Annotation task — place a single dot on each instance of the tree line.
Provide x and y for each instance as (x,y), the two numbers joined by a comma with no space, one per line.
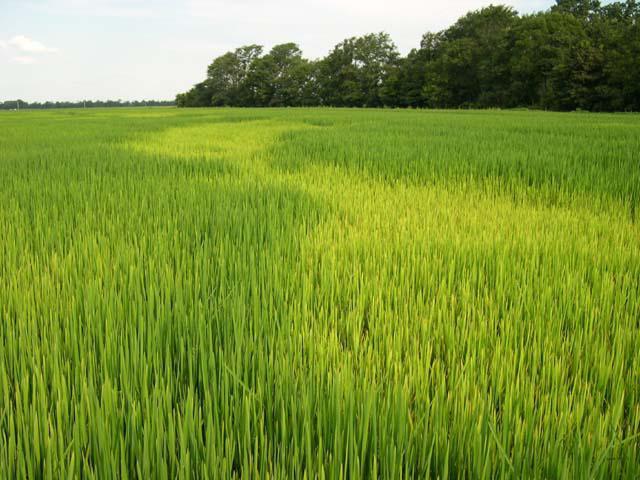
(19,104)
(579,54)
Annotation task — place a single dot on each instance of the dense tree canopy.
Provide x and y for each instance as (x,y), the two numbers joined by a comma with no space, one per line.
(579,54)
(355,73)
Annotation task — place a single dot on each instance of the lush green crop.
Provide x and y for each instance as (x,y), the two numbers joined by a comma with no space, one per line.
(319,293)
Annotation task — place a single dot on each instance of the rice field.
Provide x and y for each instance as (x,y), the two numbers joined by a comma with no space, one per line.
(319,294)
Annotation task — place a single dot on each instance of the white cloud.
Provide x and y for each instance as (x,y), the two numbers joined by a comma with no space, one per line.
(24,60)
(26,44)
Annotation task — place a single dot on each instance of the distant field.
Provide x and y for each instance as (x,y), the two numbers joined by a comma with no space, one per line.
(329,293)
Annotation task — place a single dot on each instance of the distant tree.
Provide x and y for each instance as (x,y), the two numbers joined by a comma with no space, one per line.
(410,85)
(576,63)
(12,104)
(354,72)
(338,77)
(227,75)
(471,63)
(579,54)
(541,60)
(616,31)
(377,59)
(281,78)
(199,96)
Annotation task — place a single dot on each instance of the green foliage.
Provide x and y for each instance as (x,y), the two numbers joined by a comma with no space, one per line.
(472,62)
(319,293)
(282,78)
(356,71)
(13,104)
(577,55)
(227,77)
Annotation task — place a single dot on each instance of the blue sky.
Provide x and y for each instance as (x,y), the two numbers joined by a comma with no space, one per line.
(142,49)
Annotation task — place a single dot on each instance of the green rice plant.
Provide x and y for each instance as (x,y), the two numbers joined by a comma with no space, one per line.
(319,293)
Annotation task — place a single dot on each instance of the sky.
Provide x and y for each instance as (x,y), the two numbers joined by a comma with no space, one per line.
(152,49)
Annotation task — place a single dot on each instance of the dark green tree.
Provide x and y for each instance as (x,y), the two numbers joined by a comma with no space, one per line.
(282,78)
(227,76)
(198,96)
(581,9)
(354,72)
(579,54)
(412,72)
(470,65)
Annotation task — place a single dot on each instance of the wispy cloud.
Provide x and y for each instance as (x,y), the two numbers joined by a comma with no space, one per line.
(26,44)
(23,50)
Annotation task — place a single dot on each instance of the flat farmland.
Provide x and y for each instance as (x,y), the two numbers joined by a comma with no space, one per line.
(319,293)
